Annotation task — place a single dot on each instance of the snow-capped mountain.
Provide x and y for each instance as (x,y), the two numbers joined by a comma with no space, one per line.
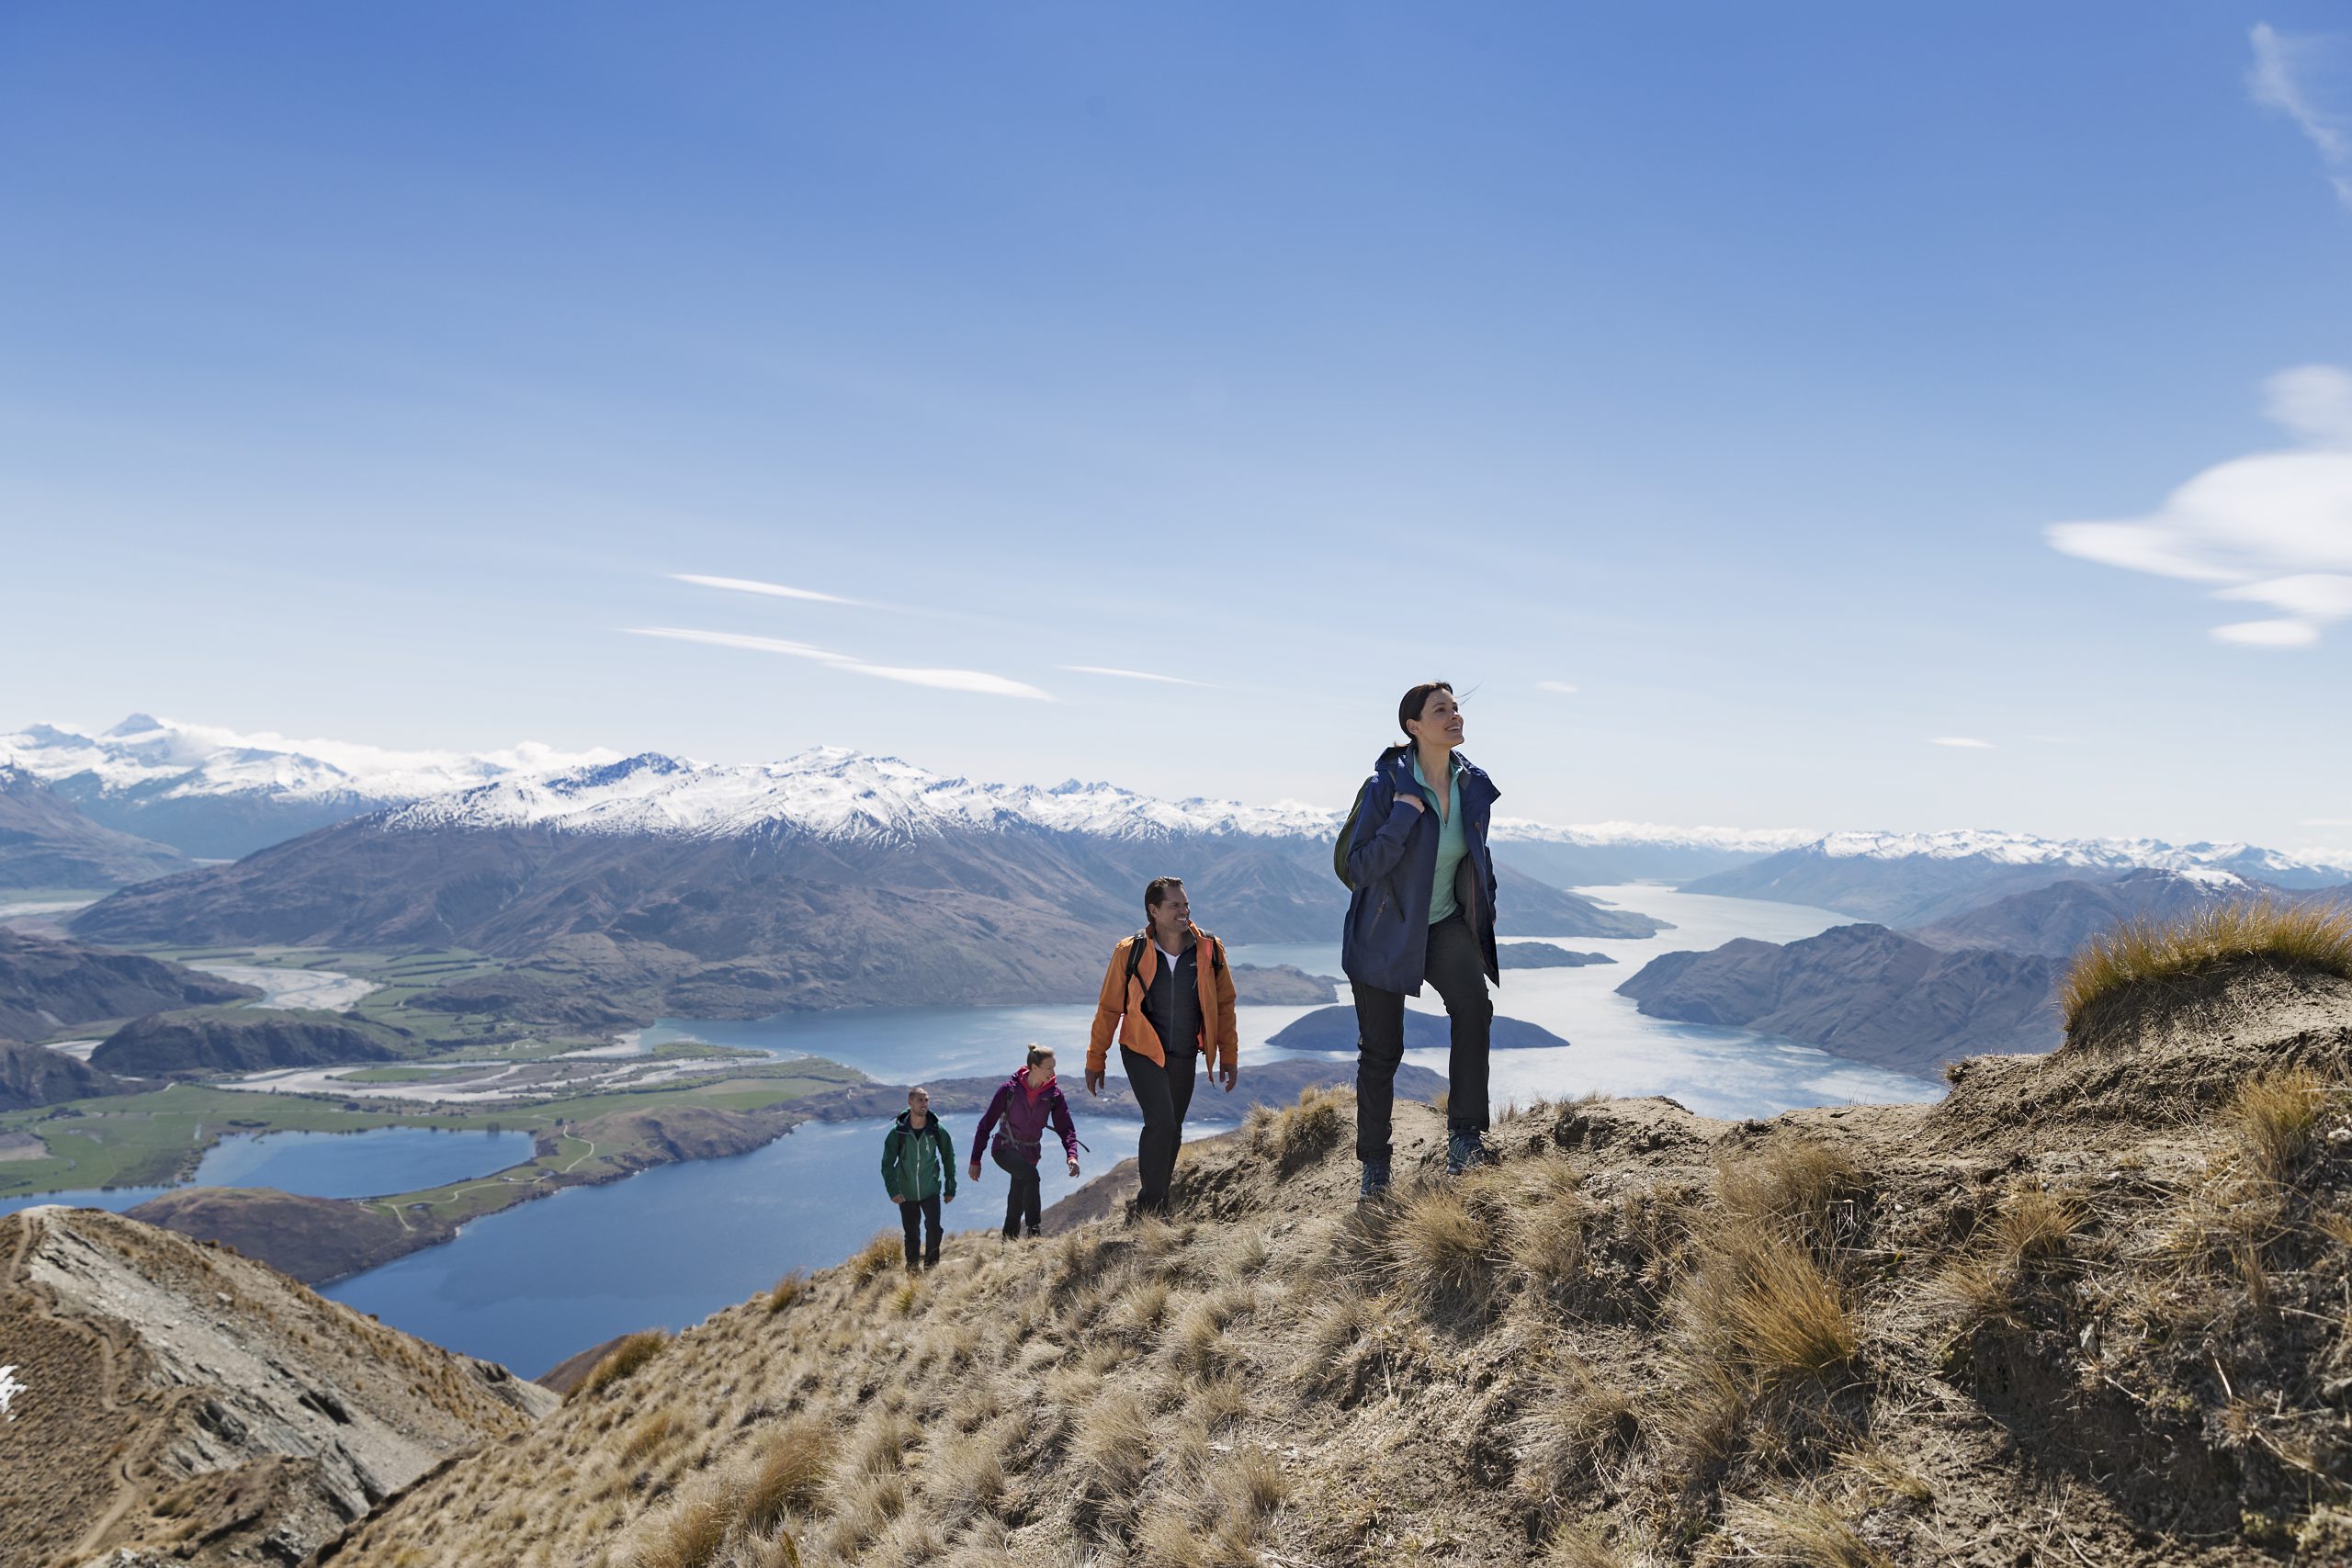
(218,793)
(832,793)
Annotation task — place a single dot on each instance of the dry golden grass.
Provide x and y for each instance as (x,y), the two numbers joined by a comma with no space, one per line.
(1114,1443)
(1305,1132)
(2274,1120)
(1805,1189)
(689,1532)
(1581,1545)
(2033,1228)
(1804,1530)
(885,1252)
(1574,1421)
(787,1475)
(1759,1301)
(788,1289)
(648,1437)
(623,1359)
(2301,936)
(1438,1250)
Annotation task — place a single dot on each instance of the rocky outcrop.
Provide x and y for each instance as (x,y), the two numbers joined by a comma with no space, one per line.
(46,842)
(1545,955)
(1281,984)
(172,1044)
(48,986)
(183,1402)
(1334,1029)
(1862,992)
(35,1075)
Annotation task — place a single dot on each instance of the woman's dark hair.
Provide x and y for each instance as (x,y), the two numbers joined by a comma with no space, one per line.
(1155,892)
(1410,707)
(1038,1053)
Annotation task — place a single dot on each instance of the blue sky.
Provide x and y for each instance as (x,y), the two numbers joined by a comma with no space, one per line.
(380,371)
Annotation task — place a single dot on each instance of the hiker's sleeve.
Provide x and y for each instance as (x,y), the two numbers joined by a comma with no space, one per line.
(889,1165)
(1372,855)
(1228,1040)
(1107,1009)
(947,1159)
(989,1118)
(1063,1125)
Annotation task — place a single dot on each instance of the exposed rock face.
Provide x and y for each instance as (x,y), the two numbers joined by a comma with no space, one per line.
(1545,955)
(188,1403)
(1862,992)
(48,984)
(1334,1029)
(46,842)
(35,1075)
(174,1043)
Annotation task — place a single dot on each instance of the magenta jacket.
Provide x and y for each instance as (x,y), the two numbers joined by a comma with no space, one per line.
(1024,1119)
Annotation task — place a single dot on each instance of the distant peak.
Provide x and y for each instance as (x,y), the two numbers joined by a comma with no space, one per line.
(137,724)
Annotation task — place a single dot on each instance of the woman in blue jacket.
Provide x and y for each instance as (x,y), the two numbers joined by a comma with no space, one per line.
(1422,909)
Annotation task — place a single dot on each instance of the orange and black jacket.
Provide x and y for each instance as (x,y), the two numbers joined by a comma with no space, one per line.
(1120,1007)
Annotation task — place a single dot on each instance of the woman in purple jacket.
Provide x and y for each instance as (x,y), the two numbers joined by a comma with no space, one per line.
(1023,1105)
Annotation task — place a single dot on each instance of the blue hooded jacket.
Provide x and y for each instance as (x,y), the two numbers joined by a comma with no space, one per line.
(1392,860)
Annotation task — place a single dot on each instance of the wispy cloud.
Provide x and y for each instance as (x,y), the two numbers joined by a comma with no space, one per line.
(2281,78)
(1965,742)
(1561,687)
(751,585)
(2273,529)
(975,681)
(1131,674)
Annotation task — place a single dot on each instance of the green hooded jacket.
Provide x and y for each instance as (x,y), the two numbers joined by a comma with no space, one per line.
(918,1164)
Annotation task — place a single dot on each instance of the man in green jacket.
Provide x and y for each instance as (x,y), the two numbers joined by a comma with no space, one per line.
(918,1173)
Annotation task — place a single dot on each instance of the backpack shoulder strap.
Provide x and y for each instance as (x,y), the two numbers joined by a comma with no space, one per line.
(1135,952)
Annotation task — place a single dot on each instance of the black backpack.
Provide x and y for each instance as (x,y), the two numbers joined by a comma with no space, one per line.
(1347,837)
(1135,954)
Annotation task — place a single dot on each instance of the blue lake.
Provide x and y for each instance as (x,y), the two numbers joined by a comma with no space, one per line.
(324,1165)
(671,1245)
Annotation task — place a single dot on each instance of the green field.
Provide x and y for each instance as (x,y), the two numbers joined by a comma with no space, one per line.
(149,1139)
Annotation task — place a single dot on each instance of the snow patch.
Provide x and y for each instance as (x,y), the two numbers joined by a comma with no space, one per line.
(10,1389)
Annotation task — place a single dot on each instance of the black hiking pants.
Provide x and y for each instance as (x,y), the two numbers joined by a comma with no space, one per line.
(1458,970)
(1165,1093)
(1021,1204)
(921,1247)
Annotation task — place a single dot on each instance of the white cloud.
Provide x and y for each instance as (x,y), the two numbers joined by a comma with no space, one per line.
(975,681)
(1562,687)
(750,585)
(1966,742)
(1131,674)
(2274,528)
(2281,78)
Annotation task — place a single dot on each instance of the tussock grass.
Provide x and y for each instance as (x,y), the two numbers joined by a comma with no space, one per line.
(1439,1251)
(1581,1545)
(2033,1228)
(690,1532)
(788,1476)
(1805,1530)
(2316,937)
(624,1358)
(887,1251)
(2275,1121)
(1115,1446)
(648,1437)
(969,1478)
(1302,1133)
(1760,1303)
(1805,1189)
(1574,1421)
(788,1289)
(1197,1338)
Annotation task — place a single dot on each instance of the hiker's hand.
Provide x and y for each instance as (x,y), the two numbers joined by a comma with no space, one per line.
(900,1201)
(1073,1167)
(976,1170)
(1413,801)
(949,1199)
(1230,1072)
(1094,1082)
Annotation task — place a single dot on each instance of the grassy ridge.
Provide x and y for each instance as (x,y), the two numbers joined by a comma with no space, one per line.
(2314,937)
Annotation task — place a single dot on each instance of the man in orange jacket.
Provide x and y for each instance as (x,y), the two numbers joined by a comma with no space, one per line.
(1168,995)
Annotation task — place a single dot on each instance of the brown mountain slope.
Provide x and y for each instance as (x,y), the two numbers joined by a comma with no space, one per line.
(45,842)
(48,985)
(35,1075)
(192,1402)
(2091,1309)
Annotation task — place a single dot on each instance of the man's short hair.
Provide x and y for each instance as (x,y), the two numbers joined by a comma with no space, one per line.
(1155,892)
(917,1089)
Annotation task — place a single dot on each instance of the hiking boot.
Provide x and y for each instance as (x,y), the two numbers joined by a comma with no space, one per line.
(1375,1181)
(1465,1149)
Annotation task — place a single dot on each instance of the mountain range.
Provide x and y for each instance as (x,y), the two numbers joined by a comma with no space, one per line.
(46,842)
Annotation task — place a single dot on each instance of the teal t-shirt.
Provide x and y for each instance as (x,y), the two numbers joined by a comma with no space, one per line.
(1442,903)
